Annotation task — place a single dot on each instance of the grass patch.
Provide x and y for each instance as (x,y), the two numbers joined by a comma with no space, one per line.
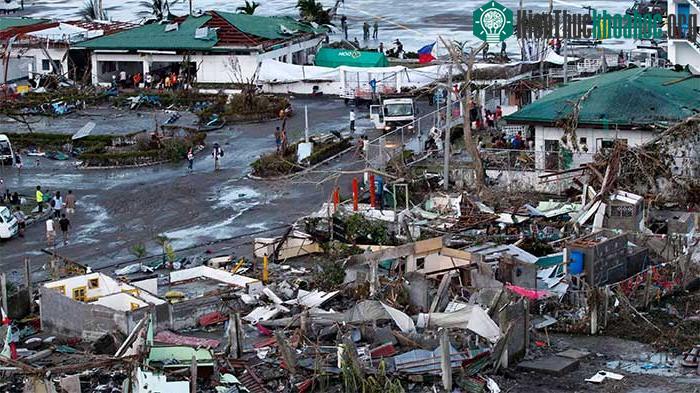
(274,165)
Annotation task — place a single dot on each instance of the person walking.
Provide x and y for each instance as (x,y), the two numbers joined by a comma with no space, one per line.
(39,199)
(57,205)
(278,140)
(50,232)
(217,153)
(70,203)
(375,29)
(190,159)
(122,79)
(21,220)
(344,26)
(18,164)
(365,31)
(352,121)
(64,224)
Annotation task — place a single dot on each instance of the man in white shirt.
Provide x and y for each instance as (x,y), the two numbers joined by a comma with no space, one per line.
(122,78)
(57,205)
(50,232)
(352,121)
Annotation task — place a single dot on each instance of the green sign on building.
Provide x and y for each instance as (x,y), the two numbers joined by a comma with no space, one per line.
(493,22)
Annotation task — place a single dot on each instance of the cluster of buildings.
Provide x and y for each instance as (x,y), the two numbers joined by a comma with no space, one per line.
(214,47)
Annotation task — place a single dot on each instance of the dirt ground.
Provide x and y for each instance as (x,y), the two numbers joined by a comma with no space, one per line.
(605,352)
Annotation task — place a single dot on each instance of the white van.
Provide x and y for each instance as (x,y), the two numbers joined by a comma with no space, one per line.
(8,223)
(7,156)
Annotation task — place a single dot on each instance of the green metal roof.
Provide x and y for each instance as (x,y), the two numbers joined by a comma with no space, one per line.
(155,37)
(180,355)
(633,97)
(270,27)
(6,23)
(328,57)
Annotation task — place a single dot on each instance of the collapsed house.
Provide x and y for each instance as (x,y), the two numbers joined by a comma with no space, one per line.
(40,47)
(98,303)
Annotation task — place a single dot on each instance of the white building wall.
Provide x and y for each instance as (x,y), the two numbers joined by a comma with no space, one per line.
(211,68)
(594,138)
(682,52)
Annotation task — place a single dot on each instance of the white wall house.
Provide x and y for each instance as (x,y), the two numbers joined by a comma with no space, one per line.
(40,47)
(215,47)
(682,51)
(630,106)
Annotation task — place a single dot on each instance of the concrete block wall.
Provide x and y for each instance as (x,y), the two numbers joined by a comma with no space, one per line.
(66,317)
(186,314)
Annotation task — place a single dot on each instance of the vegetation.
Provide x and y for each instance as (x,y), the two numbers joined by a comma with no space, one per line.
(312,11)
(92,10)
(241,108)
(329,275)
(274,165)
(172,149)
(159,9)
(249,8)
(138,250)
(360,230)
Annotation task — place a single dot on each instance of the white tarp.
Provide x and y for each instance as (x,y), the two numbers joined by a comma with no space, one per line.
(371,310)
(472,318)
(274,71)
(84,130)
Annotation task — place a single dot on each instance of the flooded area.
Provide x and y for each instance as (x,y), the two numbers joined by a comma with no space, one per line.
(414,26)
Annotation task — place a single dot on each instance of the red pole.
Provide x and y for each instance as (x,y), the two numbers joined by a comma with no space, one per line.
(355,194)
(371,190)
(336,197)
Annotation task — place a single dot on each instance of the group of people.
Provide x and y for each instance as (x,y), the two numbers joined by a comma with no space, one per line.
(60,209)
(514,142)
(157,80)
(368,32)
(366,29)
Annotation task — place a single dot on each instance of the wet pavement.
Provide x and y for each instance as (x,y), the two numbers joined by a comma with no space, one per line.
(119,208)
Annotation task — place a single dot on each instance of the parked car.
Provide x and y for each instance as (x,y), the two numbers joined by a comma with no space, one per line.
(7,156)
(9,226)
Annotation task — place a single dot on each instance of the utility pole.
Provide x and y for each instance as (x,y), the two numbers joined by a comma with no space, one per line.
(190,7)
(448,126)
(566,61)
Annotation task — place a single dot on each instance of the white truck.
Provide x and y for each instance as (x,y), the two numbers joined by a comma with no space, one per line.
(7,155)
(8,223)
(393,113)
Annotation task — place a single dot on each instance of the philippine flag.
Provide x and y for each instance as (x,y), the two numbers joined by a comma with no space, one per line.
(425,54)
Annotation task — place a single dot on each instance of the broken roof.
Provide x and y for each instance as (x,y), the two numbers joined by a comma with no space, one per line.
(6,23)
(270,27)
(632,97)
(158,36)
(223,30)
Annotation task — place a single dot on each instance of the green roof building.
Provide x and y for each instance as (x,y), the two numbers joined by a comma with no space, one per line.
(8,22)
(214,47)
(630,106)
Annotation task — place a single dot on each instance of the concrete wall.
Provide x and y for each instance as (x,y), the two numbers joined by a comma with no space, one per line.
(106,285)
(65,317)
(120,302)
(211,68)
(593,140)
(186,314)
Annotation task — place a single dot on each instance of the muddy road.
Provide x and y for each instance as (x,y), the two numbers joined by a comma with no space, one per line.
(119,208)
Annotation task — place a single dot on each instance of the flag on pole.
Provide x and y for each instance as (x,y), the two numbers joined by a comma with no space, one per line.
(425,54)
